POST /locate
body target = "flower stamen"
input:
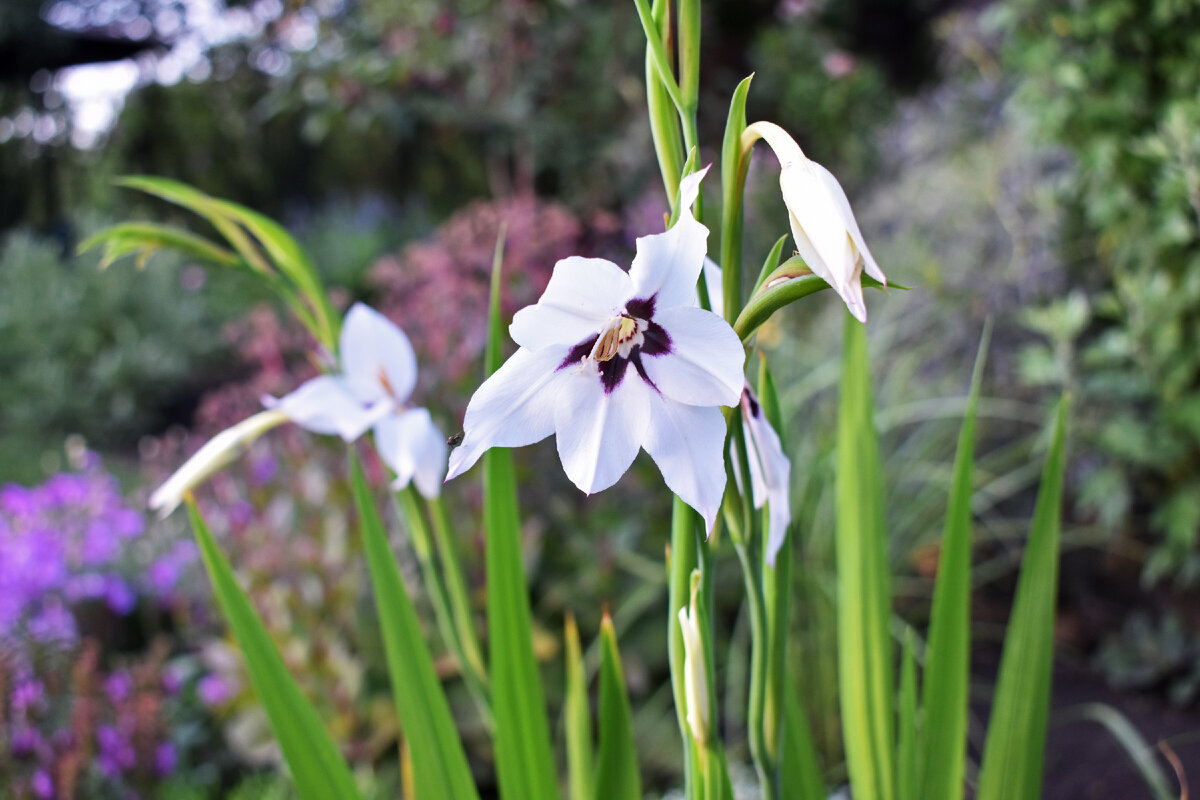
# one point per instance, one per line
(620, 332)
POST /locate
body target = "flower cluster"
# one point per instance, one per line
(62, 543)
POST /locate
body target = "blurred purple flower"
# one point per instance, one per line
(118, 686)
(27, 694)
(119, 595)
(25, 741)
(165, 759)
(263, 469)
(43, 786)
(116, 753)
(213, 690)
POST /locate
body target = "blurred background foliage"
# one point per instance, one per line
(1035, 163)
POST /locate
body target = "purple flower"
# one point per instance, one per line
(43, 786)
(118, 686)
(263, 469)
(27, 694)
(118, 595)
(25, 741)
(116, 752)
(213, 690)
(164, 759)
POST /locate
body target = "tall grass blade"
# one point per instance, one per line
(439, 765)
(942, 750)
(317, 767)
(1014, 750)
(524, 760)
(577, 720)
(906, 764)
(864, 642)
(799, 769)
(616, 760)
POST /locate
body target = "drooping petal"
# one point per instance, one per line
(213, 456)
(839, 194)
(667, 264)
(703, 366)
(326, 405)
(377, 358)
(513, 407)
(412, 446)
(599, 432)
(814, 210)
(685, 442)
(582, 295)
(770, 472)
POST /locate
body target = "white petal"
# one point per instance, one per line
(414, 448)
(814, 210)
(849, 289)
(689, 189)
(839, 195)
(685, 442)
(326, 405)
(513, 407)
(372, 351)
(770, 473)
(599, 433)
(704, 365)
(667, 264)
(213, 456)
(582, 295)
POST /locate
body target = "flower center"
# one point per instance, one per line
(620, 336)
(387, 384)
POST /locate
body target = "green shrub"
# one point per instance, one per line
(1117, 83)
(103, 355)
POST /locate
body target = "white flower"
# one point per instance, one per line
(379, 373)
(213, 456)
(770, 471)
(826, 233)
(695, 676)
(612, 362)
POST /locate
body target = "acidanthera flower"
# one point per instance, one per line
(613, 361)
(770, 471)
(379, 373)
(826, 233)
(695, 676)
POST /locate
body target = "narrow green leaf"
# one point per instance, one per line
(864, 599)
(317, 767)
(148, 237)
(906, 759)
(524, 760)
(616, 760)
(1014, 750)
(439, 764)
(578, 719)
(658, 52)
(942, 749)
(1140, 752)
(799, 769)
(682, 558)
(776, 589)
(664, 118)
(733, 182)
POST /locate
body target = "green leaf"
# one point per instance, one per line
(616, 761)
(864, 600)
(906, 759)
(771, 262)
(440, 767)
(658, 52)
(664, 118)
(733, 182)
(146, 238)
(942, 751)
(524, 760)
(799, 769)
(1014, 750)
(317, 767)
(578, 719)
(1140, 752)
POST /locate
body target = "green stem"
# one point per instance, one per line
(422, 545)
(456, 586)
(682, 560)
(759, 645)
